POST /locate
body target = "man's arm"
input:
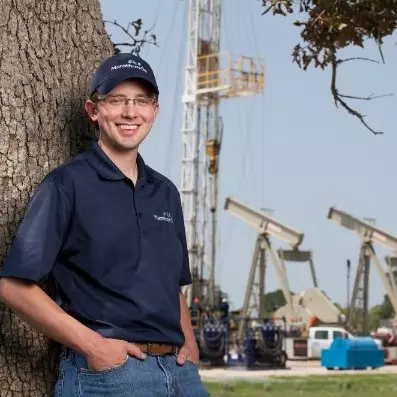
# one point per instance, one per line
(189, 351)
(32, 257)
(34, 306)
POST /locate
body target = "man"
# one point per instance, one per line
(109, 230)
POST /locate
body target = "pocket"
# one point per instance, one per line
(191, 363)
(106, 370)
(116, 381)
(189, 380)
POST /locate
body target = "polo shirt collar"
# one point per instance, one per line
(105, 167)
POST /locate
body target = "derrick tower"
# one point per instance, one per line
(210, 76)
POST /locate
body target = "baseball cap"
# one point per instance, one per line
(118, 68)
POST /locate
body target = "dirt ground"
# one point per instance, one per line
(294, 368)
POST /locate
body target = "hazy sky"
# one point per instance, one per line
(289, 149)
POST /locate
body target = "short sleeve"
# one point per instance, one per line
(40, 234)
(185, 278)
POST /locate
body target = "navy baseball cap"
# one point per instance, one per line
(118, 68)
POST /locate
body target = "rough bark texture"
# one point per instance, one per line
(48, 50)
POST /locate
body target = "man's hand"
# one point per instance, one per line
(112, 353)
(190, 353)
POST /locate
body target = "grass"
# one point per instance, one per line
(315, 386)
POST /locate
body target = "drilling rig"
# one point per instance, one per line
(210, 76)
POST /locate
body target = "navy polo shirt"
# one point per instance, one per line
(116, 251)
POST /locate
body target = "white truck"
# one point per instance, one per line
(319, 338)
(309, 309)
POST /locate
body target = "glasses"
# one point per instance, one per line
(141, 102)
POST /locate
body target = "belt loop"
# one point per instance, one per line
(149, 348)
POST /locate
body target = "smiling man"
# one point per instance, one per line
(109, 230)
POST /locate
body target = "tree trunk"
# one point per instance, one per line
(48, 50)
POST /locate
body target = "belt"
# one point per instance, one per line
(157, 349)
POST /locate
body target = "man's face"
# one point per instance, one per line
(124, 124)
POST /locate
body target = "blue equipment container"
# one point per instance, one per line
(353, 353)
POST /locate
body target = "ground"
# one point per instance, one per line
(294, 368)
(304, 379)
(346, 386)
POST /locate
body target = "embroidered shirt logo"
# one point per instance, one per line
(164, 217)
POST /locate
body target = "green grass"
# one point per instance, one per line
(332, 386)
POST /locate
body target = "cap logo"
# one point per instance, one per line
(134, 62)
(131, 64)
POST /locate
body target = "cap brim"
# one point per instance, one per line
(112, 81)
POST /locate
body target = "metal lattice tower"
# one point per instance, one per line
(358, 310)
(254, 304)
(209, 77)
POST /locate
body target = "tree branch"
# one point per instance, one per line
(379, 44)
(135, 43)
(338, 98)
(274, 3)
(126, 31)
(356, 59)
(365, 98)
(328, 27)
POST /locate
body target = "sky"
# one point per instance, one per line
(290, 149)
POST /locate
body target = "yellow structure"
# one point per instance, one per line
(230, 75)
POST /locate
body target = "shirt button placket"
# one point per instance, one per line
(140, 220)
(139, 213)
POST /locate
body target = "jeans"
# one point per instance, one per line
(156, 376)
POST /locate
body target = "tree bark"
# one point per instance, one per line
(48, 51)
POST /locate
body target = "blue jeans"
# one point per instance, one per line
(158, 376)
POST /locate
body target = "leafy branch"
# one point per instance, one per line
(333, 25)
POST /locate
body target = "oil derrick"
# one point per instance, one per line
(210, 76)
(357, 318)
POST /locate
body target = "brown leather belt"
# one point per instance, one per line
(157, 349)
